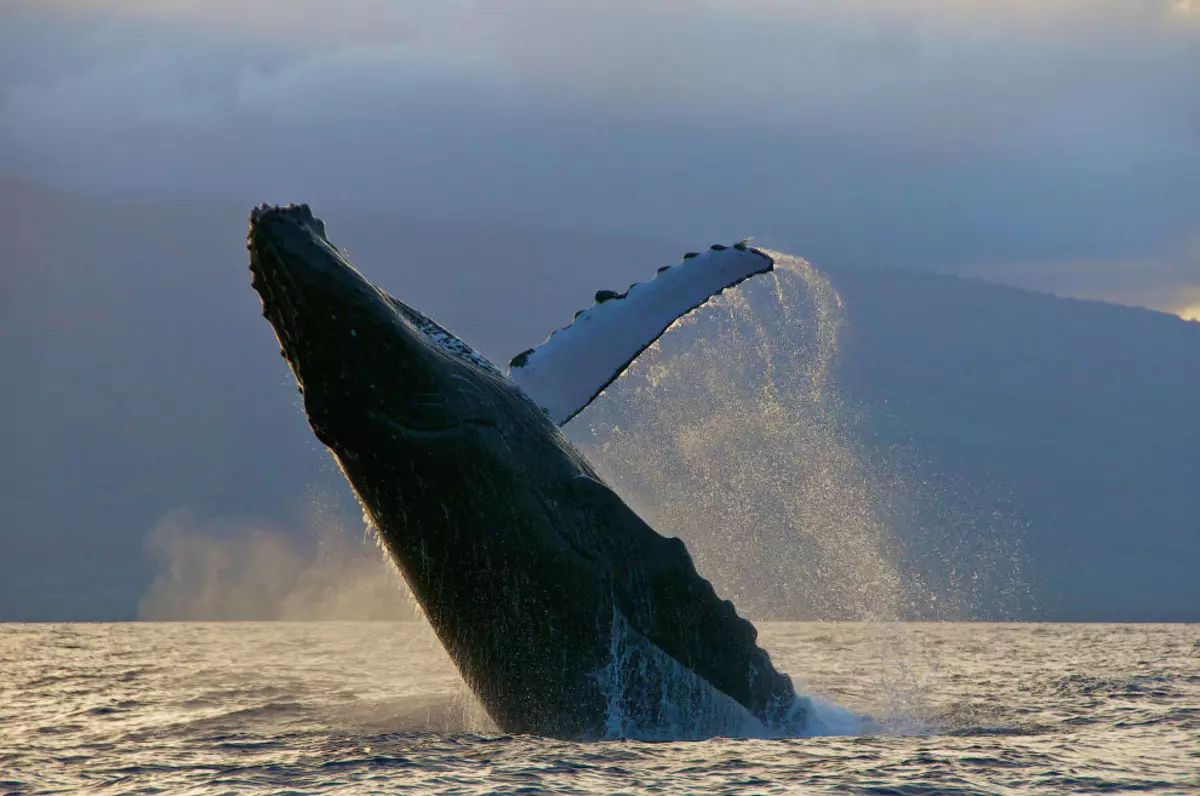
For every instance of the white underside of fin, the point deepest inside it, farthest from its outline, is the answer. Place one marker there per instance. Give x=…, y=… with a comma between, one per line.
x=576, y=363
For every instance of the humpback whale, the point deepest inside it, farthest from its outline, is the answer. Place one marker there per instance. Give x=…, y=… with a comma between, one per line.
x=565, y=613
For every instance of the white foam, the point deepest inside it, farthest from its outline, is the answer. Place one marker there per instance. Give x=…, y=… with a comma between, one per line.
x=652, y=697
x=829, y=718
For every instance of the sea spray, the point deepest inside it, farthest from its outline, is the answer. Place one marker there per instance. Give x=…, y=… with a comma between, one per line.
x=732, y=433
x=734, y=437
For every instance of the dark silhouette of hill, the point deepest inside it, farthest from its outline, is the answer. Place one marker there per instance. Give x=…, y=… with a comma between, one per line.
x=1079, y=415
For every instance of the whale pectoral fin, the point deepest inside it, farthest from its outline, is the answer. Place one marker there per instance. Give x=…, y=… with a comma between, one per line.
x=576, y=363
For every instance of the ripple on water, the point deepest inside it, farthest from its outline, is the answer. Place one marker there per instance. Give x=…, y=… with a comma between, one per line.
x=995, y=709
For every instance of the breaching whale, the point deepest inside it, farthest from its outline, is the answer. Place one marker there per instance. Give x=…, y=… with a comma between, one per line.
x=566, y=614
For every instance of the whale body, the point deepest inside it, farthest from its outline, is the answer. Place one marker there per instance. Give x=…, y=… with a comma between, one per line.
x=566, y=614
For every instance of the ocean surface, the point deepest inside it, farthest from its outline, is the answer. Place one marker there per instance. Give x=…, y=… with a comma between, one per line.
x=378, y=708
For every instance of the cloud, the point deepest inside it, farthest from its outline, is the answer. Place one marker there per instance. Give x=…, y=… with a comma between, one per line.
x=1168, y=281
x=914, y=132
x=1188, y=305
x=356, y=79
x=971, y=65
x=968, y=73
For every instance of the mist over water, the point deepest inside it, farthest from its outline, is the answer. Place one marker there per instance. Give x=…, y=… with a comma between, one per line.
x=213, y=570
x=347, y=707
x=732, y=434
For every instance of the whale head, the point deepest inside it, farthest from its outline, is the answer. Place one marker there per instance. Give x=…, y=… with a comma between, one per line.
x=366, y=364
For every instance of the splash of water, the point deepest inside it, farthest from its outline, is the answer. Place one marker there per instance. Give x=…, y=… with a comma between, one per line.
x=650, y=696
x=733, y=437
x=732, y=434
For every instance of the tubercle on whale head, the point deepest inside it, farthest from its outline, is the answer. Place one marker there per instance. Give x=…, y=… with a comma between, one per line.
x=361, y=365
x=300, y=214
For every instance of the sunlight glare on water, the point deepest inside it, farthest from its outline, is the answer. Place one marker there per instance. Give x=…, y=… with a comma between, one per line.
x=371, y=707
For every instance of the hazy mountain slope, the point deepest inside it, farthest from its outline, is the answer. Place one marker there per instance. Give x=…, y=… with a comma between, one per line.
x=1083, y=417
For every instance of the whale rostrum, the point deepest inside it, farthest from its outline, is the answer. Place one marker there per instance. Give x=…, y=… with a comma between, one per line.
x=566, y=614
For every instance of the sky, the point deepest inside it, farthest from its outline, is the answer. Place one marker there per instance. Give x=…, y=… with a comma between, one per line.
x=1053, y=144
x=1048, y=144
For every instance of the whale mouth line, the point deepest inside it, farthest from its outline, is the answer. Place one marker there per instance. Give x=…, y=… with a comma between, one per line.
x=442, y=431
